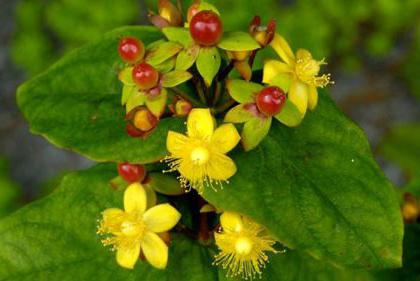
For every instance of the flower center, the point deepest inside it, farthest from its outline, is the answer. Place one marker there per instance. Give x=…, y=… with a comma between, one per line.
x=307, y=68
x=200, y=155
x=131, y=228
x=243, y=246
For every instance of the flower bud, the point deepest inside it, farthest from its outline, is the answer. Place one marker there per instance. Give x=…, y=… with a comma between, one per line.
x=170, y=13
x=182, y=108
x=262, y=34
x=238, y=55
x=410, y=208
x=144, y=120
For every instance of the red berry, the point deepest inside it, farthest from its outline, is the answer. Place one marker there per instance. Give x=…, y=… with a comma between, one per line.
x=270, y=100
x=206, y=28
x=192, y=11
x=131, y=173
x=131, y=49
x=145, y=76
x=132, y=131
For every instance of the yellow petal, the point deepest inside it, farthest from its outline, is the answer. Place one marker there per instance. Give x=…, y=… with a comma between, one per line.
x=225, y=138
x=128, y=256
x=282, y=48
x=231, y=221
x=135, y=198
x=312, y=97
x=161, y=218
x=175, y=142
x=200, y=123
x=272, y=68
x=220, y=167
x=155, y=250
x=298, y=94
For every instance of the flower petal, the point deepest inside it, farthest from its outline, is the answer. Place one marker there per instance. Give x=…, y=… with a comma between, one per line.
x=175, y=142
x=200, y=123
x=161, y=218
x=298, y=94
x=135, y=198
x=312, y=97
x=128, y=256
x=155, y=250
x=272, y=68
x=225, y=138
x=282, y=48
x=220, y=167
x=231, y=221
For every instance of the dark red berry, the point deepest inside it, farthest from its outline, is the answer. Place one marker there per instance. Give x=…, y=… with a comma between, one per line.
x=131, y=49
x=132, y=131
x=206, y=28
x=270, y=100
x=145, y=76
x=131, y=173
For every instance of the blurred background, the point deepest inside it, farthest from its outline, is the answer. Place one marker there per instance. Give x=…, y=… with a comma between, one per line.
x=372, y=47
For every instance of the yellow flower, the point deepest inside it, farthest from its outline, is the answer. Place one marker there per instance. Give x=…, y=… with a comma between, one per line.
x=243, y=245
x=199, y=156
x=134, y=229
x=297, y=74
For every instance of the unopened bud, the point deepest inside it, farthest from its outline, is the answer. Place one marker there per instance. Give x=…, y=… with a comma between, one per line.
x=144, y=120
x=262, y=34
x=170, y=12
x=192, y=11
x=410, y=208
x=182, y=107
x=238, y=55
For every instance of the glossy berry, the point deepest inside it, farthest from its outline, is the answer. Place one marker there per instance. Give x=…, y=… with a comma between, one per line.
x=131, y=173
x=133, y=131
x=145, y=76
x=270, y=100
x=131, y=50
x=206, y=28
x=192, y=11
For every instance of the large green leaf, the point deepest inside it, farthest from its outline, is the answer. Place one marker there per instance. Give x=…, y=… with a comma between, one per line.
x=76, y=103
x=55, y=238
x=318, y=189
x=402, y=145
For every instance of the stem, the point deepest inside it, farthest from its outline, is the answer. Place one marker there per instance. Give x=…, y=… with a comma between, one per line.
x=186, y=231
x=204, y=233
x=199, y=89
x=224, y=106
x=179, y=5
x=217, y=93
x=252, y=57
x=182, y=94
x=225, y=72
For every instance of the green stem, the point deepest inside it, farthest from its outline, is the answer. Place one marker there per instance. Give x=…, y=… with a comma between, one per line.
x=224, y=106
x=217, y=93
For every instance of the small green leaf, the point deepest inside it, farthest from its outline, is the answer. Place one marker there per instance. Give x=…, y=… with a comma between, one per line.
x=254, y=131
x=187, y=57
x=164, y=184
x=166, y=66
x=174, y=78
x=243, y=91
x=238, y=114
x=157, y=104
x=208, y=63
x=289, y=114
x=178, y=34
x=136, y=99
x=161, y=52
x=238, y=41
x=282, y=81
x=205, y=6
x=127, y=93
x=126, y=76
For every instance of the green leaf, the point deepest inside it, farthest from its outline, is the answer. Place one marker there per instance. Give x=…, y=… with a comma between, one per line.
x=9, y=190
x=238, y=114
x=243, y=91
x=157, y=104
x=128, y=92
x=254, y=131
x=76, y=104
x=135, y=99
x=319, y=190
x=55, y=238
x=402, y=146
x=162, y=52
x=174, y=78
x=208, y=63
x=164, y=184
x=289, y=115
x=178, y=34
x=238, y=41
x=126, y=76
x=205, y=6
x=187, y=57
x=166, y=66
